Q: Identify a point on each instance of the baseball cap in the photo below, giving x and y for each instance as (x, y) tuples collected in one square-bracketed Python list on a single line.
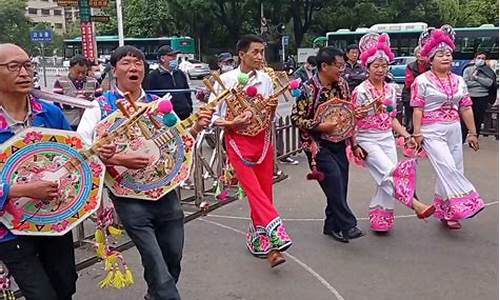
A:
[(167, 50), (225, 56)]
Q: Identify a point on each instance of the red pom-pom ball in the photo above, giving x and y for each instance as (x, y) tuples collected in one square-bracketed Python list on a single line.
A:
[(294, 84), (165, 106), (251, 91)]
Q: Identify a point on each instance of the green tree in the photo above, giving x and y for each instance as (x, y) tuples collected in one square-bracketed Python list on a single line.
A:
[(141, 18), (14, 26), (478, 12)]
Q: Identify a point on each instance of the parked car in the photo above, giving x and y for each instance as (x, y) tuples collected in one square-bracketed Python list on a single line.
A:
[(153, 64), (398, 67), (197, 69)]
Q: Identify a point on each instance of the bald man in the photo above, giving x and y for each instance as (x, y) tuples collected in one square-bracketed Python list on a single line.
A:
[(43, 267)]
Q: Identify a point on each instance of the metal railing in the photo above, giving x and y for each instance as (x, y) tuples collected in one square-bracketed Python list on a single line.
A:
[(208, 167)]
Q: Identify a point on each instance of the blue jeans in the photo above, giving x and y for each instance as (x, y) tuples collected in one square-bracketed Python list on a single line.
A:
[(157, 230)]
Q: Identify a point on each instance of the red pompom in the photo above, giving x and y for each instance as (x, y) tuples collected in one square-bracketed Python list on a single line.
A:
[(165, 106), (294, 84), (223, 196), (315, 174), (251, 91), (400, 141), (387, 102), (382, 39)]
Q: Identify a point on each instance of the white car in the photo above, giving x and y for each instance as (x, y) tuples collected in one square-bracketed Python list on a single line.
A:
[(196, 69)]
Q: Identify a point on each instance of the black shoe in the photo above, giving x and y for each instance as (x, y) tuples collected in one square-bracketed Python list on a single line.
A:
[(338, 236), (353, 233)]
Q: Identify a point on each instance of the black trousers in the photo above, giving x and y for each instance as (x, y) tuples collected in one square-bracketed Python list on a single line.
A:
[(479, 106), (332, 161), (43, 267), (157, 230), (408, 116)]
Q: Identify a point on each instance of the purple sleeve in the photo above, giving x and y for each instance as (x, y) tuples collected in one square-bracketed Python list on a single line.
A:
[(4, 193)]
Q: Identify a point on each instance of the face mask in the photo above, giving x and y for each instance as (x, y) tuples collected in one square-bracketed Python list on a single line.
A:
[(226, 68), (479, 62), (97, 75), (173, 64)]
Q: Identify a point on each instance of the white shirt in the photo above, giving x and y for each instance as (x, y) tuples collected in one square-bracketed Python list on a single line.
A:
[(261, 81), (91, 116)]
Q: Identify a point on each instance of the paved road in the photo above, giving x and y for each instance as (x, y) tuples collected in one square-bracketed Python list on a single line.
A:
[(416, 260)]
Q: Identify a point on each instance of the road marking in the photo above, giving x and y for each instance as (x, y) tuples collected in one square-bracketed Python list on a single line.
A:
[(310, 270), (315, 219)]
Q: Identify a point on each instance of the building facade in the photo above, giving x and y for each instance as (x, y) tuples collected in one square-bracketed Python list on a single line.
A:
[(47, 11)]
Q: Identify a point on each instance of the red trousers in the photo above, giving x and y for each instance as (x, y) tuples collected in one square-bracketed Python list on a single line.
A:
[(256, 180)]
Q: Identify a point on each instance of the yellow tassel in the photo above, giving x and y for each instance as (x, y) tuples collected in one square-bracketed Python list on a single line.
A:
[(109, 262), (118, 280), (107, 280), (101, 251), (129, 278), (99, 236), (115, 231)]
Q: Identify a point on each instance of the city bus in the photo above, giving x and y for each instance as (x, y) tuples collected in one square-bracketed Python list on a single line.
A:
[(404, 39), (106, 44)]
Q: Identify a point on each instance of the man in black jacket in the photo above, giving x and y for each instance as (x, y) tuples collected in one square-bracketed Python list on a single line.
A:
[(169, 77)]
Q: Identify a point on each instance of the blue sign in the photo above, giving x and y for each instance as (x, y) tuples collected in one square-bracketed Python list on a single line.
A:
[(285, 40), (41, 35)]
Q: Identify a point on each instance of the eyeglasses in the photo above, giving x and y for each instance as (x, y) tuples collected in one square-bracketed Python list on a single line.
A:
[(15, 66)]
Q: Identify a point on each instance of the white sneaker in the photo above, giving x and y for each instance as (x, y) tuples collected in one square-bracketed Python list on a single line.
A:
[(289, 160)]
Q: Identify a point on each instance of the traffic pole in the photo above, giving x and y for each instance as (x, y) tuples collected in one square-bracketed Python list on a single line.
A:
[(119, 18), (44, 70)]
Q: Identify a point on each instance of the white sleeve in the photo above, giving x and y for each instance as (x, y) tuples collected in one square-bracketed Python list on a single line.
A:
[(220, 110), (91, 116), (269, 87)]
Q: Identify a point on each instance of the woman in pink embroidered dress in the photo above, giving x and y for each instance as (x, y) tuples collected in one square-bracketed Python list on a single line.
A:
[(395, 180), (440, 98)]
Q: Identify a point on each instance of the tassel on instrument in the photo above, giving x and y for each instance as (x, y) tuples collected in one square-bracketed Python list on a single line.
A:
[(241, 193), (115, 231), (118, 274), (107, 280), (315, 173), (5, 291), (129, 278)]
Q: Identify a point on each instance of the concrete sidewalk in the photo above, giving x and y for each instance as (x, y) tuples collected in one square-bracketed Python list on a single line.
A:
[(417, 260)]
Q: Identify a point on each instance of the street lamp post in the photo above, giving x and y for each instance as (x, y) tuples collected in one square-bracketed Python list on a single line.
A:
[(119, 17)]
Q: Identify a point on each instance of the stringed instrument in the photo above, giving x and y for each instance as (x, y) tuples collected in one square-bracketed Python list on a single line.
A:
[(162, 137), (59, 156)]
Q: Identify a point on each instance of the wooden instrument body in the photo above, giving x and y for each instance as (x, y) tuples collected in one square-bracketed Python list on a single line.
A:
[(340, 112), (52, 155), (262, 110), (170, 151)]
